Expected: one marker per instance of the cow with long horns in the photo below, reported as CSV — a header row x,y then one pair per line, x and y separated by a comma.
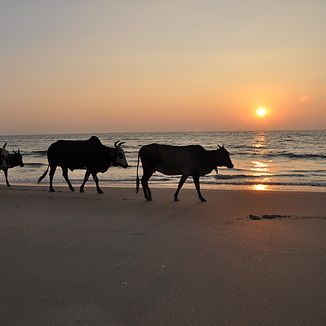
x,y
90,155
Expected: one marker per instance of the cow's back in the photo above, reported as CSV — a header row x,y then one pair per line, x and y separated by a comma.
x,y
173,160
74,154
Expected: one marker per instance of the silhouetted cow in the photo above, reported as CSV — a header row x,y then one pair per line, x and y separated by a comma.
x,y
90,155
15,159
188,161
4,157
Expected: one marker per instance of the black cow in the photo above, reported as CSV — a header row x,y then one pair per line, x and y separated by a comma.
x,y
90,155
4,157
15,159
188,161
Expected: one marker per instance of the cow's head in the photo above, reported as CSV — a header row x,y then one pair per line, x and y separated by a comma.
x,y
19,158
4,156
120,158
223,158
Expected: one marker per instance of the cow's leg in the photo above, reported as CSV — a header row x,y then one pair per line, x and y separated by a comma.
x,y
65,175
51,174
181,182
196,181
94,175
144,182
6,176
87,174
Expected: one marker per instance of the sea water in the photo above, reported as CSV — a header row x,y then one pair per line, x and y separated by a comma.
x,y
275,160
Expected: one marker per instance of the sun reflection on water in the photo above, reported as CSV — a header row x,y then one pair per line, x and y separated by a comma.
x,y
260,187
260,169
260,140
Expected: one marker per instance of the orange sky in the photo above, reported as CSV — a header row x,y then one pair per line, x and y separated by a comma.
x,y
101,66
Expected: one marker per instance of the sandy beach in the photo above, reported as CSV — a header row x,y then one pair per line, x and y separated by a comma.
x,y
115,259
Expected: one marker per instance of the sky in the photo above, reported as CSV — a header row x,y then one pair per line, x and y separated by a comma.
x,y
71,66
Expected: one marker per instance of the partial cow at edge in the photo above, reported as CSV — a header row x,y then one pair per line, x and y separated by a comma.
x,y
12,160
4,157
186,161
90,155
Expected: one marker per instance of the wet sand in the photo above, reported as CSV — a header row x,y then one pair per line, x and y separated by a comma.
x,y
115,259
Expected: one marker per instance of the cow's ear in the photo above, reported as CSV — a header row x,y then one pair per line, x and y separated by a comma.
x,y
219,147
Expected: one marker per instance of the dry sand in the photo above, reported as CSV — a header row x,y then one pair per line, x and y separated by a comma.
x,y
115,259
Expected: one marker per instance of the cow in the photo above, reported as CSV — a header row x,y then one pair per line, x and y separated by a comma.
x,y
191,160
15,159
4,157
90,155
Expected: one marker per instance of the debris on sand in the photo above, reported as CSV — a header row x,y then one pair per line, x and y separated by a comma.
x,y
267,217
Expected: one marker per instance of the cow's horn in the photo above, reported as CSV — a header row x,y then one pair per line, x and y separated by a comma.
x,y
118,143
4,145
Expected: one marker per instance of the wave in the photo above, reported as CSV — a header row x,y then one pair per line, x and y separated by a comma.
x,y
251,176
35,164
234,176
308,156
39,153
286,155
269,183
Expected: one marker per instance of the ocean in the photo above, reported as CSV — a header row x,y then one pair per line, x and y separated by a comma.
x,y
263,160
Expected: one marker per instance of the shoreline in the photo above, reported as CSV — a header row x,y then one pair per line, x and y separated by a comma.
x,y
71,258
188,186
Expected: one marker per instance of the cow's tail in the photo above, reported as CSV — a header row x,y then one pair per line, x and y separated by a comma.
x,y
43,175
137,180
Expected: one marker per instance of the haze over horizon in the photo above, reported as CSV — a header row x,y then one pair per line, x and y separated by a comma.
x,y
124,66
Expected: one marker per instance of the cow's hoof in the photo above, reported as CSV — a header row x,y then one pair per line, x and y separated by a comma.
x,y
176,199
72,189
81,190
52,190
149,199
100,192
203,199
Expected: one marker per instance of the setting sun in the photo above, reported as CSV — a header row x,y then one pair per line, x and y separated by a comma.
x,y
261,112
